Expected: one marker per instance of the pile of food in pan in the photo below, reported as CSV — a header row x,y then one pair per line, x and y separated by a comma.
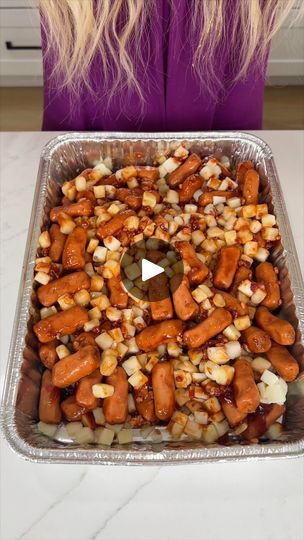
x,y
197,352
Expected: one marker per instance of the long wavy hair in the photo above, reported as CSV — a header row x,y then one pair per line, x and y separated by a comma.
x,y
78,31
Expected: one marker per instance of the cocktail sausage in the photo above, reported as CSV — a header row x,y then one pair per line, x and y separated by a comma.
x,y
207,197
180,174
118,297
283,362
246,393
153,336
115,407
112,227
279,330
57,242
216,322
48,294
78,209
49,403
159,298
256,339
61,324
251,186
84,395
163,390
260,421
144,401
189,187
74,367
185,306
73,256
48,354
266,274
226,266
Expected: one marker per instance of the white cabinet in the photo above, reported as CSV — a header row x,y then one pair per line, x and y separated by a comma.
x,y
286,62
20,44
21,60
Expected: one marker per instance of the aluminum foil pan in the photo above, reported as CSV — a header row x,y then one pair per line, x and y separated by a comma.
x,y
63,158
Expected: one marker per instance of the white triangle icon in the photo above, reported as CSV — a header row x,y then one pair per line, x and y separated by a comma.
x,y
149,270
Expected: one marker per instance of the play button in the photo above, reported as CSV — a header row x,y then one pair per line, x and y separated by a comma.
x,y
147,267
150,270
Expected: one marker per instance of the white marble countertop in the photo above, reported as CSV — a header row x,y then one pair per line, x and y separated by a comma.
x,y
261,500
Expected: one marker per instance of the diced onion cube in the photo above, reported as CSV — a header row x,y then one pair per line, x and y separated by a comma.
x,y
173,349
262,210
230,237
62,351
99,416
255,226
67,225
219,300
216,199
82,297
242,323
88,326
222,375
102,390
105,436
99,192
125,436
258,295
113,314
248,211
193,429
221,427
44,239
172,196
133,271
66,301
268,220
260,364
251,248
42,278
149,199
209,434
245,287
138,379
84,436
268,377
234,202
46,312
47,429
111,243
102,302
182,378
104,340
233,349
261,255
271,234
218,355
201,417
131,404
108,363
97,283
80,183
131,365
100,254
181,152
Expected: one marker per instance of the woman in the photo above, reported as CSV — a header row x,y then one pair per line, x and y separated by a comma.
x,y
156,65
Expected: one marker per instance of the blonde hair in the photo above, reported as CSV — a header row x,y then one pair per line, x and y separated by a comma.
x,y
79,31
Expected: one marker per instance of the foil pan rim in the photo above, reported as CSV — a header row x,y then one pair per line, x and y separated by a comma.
x,y
90,455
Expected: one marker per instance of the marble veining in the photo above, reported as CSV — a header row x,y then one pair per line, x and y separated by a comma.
x,y
227,501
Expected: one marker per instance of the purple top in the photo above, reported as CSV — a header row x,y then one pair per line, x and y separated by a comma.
x,y
174,98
